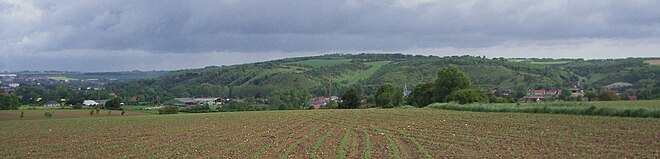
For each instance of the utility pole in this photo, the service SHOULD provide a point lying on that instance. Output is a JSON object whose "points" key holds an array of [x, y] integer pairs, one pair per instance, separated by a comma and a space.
{"points": [[330, 94]]}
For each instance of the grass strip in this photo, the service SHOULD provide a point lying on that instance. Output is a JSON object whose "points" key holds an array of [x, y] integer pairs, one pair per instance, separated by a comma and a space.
{"points": [[544, 109], [367, 144], [319, 142], [392, 146], [342, 145]]}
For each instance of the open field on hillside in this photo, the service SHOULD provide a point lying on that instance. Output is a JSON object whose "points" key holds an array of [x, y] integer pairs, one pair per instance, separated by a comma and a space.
{"points": [[550, 62], [360, 75], [58, 114], [366, 133], [323, 62], [653, 62]]}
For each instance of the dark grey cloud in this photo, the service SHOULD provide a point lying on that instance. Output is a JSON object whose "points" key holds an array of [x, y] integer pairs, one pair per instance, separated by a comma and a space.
{"points": [[200, 27]]}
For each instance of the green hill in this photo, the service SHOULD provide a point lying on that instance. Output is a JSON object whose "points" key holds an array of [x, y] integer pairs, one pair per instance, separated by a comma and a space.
{"points": [[368, 71]]}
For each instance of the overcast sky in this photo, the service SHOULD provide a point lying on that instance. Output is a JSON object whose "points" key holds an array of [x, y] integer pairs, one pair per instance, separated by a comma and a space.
{"points": [[102, 35]]}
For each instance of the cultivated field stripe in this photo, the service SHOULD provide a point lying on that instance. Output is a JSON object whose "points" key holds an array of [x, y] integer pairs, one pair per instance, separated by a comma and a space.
{"points": [[184, 137], [263, 149], [319, 142], [392, 146], [296, 143], [342, 145], [367, 144], [240, 145]]}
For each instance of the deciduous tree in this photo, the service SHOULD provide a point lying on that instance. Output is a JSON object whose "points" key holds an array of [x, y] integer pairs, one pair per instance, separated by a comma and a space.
{"points": [[449, 79], [350, 99], [9, 102]]}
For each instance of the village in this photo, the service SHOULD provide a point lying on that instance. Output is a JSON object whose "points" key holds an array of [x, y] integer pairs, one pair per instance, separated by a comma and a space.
{"points": [[325, 102]]}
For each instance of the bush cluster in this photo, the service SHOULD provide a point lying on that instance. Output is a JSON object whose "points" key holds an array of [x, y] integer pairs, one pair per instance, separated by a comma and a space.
{"points": [[48, 114], [197, 109], [168, 110]]}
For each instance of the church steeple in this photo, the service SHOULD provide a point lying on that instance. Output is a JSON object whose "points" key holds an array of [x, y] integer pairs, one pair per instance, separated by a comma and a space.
{"points": [[406, 92]]}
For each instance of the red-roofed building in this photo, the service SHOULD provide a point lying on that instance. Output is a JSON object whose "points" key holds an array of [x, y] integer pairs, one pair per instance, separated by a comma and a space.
{"points": [[539, 92]]}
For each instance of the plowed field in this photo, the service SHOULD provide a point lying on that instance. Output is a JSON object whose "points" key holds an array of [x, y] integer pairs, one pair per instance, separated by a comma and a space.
{"points": [[371, 133]]}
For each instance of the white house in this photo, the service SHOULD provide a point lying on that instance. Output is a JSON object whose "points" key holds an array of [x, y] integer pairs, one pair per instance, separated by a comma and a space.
{"points": [[14, 85], [90, 102]]}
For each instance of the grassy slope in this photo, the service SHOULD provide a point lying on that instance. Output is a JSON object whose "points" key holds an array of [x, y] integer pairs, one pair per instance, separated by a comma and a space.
{"points": [[550, 62], [312, 73], [316, 63], [414, 133], [364, 74]]}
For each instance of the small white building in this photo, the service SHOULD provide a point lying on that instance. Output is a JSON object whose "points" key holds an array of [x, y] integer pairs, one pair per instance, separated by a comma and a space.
{"points": [[14, 85], [90, 103]]}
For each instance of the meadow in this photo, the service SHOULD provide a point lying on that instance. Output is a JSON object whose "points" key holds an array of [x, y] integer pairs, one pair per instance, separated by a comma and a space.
{"points": [[640, 109], [361, 133]]}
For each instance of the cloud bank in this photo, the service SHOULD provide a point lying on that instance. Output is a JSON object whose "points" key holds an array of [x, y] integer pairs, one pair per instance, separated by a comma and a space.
{"points": [[172, 34]]}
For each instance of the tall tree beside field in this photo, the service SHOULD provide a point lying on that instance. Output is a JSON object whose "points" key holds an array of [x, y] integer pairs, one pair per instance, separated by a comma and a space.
{"points": [[450, 79], [9, 102], [399, 99], [113, 104], [385, 96], [465, 96], [350, 99], [422, 95], [294, 98]]}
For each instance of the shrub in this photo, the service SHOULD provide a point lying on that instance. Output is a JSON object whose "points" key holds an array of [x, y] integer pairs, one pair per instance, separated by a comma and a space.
{"points": [[168, 110], [608, 96], [196, 109], [77, 106], [465, 96], [91, 112], [48, 114]]}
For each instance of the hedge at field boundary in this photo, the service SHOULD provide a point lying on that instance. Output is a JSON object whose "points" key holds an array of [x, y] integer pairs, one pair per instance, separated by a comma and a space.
{"points": [[575, 110]]}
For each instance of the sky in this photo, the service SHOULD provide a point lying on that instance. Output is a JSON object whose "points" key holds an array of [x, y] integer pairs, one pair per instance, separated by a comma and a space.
{"points": [[120, 35]]}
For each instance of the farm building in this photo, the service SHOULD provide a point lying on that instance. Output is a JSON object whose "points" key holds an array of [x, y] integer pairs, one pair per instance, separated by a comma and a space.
{"points": [[193, 101], [90, 103], [51, 103], [101, 102], [94, 102], [539, 92], [617, 87]]}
